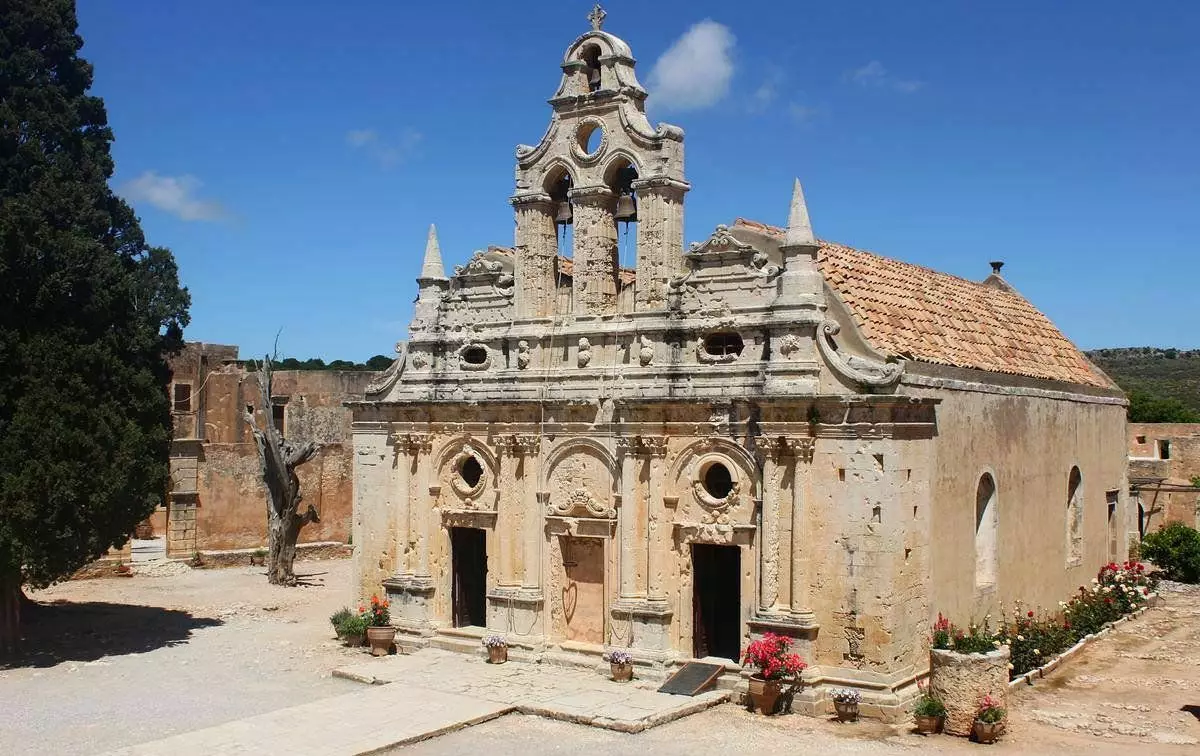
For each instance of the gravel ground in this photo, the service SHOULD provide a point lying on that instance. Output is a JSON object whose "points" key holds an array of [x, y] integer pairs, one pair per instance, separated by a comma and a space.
{"points": [[119, 661]]}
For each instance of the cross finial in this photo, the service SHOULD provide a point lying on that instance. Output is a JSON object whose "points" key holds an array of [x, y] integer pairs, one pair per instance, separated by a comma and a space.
{"points": [[597, 17]]}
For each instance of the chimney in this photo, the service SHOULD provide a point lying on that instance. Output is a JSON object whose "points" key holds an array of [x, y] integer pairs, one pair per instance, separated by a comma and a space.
{"points": [[996, 266]]}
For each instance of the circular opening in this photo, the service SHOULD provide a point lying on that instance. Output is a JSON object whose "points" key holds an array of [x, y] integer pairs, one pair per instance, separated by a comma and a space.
{"points": [[723, 344], [470, 471], [589, 136], [474, 355], [718, 481]]}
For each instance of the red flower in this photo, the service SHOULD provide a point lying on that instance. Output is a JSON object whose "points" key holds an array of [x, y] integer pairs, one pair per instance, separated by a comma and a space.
{"points": [[1030, 612]]}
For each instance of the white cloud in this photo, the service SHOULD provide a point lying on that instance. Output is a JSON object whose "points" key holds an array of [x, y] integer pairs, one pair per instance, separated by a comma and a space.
{"points": [[387, 153], [804, 113], [696, 70], [873, 74], [767, 91], [174, 195]]}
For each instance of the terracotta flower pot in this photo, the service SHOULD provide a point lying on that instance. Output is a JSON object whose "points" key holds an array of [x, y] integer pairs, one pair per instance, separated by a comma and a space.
{"points": [[497, 654], [987, 732], [764, 694], [846, 712], [381, 639], [621, 672], [928, 724]]}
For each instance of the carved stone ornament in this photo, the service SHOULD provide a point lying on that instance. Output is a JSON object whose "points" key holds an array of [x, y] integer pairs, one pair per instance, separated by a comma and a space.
{"points": [[715, 506], [580, 503], [462, 361], [389, 377], [722, 243], [469, 494], [478, 265], [420, 361], [706, 532], [588, 158], [858, 369], [789, 345], [761, 265], [523, 354], [646, 352], [713, 359], [585, 352]]}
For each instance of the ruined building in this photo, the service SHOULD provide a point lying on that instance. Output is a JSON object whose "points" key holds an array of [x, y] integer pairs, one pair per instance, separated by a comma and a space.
{"points": [[757, 432]]}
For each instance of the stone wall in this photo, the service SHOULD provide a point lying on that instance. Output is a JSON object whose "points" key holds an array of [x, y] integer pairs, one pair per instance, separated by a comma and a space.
{"points": [[1181, 444]]}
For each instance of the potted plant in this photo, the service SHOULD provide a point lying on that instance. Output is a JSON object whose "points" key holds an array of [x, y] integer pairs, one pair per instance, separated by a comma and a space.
{"points": [[380, 633], [352, 629], [845, 704], [989, 720], [774, 662], [497, 649], [337, 618], [930, 712], [258, 556], [621, 664]]}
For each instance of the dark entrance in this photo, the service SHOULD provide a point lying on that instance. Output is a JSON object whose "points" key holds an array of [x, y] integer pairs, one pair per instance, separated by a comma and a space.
{"points": [[716, 601], [468, 548]]}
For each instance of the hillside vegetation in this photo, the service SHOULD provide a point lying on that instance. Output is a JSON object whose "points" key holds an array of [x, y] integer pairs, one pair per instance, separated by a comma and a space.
{"points": [[1163, 384]]}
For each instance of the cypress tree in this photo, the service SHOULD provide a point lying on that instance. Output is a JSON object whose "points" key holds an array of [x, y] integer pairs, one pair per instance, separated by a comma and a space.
{"points": [[88, 314]]}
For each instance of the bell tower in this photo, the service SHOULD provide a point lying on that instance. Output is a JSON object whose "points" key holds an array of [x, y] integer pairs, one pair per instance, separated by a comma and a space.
{"points": [[599, 163]]}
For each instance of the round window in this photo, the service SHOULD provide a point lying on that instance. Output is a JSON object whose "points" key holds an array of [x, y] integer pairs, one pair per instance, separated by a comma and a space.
{"points": [[717, 480], [723, 344], [475, 355], [589, 136], [470, 471]]}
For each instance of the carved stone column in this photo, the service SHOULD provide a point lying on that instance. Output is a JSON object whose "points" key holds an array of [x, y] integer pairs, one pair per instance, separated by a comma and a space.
{"points": [[423, 504], [596, 261], [770, 552], [508, 517], [535, 255], [659, 239], [801, 450], [403, 503], [658, 526], [628, 520], [529, 447]]}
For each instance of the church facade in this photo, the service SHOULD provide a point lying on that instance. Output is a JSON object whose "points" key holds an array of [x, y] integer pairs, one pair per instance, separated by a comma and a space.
{"points": [[757, 432]]}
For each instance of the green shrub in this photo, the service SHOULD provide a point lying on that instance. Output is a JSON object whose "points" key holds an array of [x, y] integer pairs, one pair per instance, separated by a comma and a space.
{"points": [[929, 705], [353, 625], [1175, 549], [338, 618]]}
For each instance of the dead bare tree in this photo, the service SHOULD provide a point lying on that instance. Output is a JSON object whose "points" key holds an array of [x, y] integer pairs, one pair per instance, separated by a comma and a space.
{"points": [[279, 459]]}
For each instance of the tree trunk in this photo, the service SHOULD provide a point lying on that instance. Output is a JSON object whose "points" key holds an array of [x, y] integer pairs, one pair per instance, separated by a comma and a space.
{"points": [[279, 459], [11, 599]]}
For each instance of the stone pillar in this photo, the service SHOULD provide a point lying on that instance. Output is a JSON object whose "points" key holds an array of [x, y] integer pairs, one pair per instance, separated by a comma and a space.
{"points": [[770, 552], [801, 450], [423, 525], [596, 261], [529, 446], [961, 680], [628, 517], [535, 255], [402, 502], [659, 239], [658, 525]]}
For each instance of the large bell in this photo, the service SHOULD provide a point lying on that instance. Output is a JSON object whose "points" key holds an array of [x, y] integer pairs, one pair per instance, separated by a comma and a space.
{"points": [[626, 209], [564, 213]]}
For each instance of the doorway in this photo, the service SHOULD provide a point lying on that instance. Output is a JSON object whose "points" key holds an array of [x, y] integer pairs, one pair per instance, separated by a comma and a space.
{"points": [[716, 601], [582, 589], [468, 592]]}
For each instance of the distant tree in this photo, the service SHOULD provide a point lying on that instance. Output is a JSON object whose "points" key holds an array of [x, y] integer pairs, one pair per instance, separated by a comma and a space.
{"points": [[379, 362], [1145, 407], [88, 314], [289, 363], [344, 365], [313, 363]]}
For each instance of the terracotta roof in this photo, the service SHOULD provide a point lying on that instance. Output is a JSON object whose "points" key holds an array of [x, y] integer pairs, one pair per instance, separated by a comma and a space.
{"points": [[911, 312]]}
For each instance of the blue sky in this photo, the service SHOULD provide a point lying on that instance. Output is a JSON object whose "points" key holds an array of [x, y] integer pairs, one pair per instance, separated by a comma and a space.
{"points": [[293, 154]]}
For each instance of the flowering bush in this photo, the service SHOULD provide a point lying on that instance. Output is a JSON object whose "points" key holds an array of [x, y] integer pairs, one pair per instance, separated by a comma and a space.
{"points": [[976, 639], [1128, 584], [771, 656], [619, 657], [1175, 549], [1032, 641], [377, 615], [928, 705], [847, 696], [989, 710], [495, 641]]}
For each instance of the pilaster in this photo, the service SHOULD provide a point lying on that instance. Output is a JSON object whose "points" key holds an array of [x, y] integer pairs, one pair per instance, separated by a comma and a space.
{"points": [[535, 255], [627, 520], [659, 239], [595, 257]]}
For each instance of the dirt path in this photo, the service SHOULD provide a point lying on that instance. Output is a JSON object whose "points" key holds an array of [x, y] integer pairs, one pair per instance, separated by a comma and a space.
{"points": [[125, 660]]}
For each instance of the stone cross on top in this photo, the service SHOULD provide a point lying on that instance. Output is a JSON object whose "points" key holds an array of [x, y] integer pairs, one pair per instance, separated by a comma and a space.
{"points": [[597, 17]]}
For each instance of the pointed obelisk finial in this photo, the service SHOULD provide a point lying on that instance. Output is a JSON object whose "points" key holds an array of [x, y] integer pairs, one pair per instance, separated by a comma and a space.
{"points": [[432, 266], [799, 227]]}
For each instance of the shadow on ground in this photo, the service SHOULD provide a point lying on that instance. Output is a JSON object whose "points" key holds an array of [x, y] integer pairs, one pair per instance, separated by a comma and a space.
{"points": [[86, 631]]}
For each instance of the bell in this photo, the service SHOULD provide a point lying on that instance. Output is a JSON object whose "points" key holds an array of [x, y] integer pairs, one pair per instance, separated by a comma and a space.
{"points": [[593, 79], [563, 217], [626, 209]]}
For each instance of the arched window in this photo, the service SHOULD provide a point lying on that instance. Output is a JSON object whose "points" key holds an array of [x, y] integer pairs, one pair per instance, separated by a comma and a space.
{"points": [[591, 59], [986, 527], [557, 185], [1074, 516]]}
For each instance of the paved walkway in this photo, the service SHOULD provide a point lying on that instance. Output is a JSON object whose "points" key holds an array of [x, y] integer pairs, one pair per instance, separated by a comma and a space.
{"points": [[429, 693]]}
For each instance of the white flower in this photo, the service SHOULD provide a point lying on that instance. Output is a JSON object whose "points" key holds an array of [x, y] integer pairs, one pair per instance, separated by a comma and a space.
{"points": [[1010, 666], [1020, 637], [1039, 653], [996, 643]]}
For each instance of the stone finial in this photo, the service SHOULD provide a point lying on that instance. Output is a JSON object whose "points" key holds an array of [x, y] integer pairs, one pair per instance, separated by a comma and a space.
{"points": [[996, 266], [432, 266], [799, 228], [597, 17]]}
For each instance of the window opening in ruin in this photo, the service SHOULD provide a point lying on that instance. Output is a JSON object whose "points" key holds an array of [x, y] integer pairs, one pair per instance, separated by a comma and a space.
{"points": [[717, 480], [474, 355], [716, 601], [279, 417], [1112, 498], [589, 135], [1141, 439], [182, 397], [1164, 449], [723, 343], [1074, 516], [470, 471], [986, 527], [468, 591], [591, 58]]}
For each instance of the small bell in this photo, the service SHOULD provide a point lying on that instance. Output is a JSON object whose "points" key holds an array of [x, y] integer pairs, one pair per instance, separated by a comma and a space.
{"points": [[626, 209], [563, 217], [593, 79]]}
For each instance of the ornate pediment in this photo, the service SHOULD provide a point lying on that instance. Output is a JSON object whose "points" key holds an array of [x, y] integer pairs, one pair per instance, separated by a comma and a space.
{"points": [[580, 502], [722, 243]]}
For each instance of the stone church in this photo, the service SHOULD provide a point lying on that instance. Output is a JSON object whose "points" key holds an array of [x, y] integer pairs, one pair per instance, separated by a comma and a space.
{"points": [[760, 431]]}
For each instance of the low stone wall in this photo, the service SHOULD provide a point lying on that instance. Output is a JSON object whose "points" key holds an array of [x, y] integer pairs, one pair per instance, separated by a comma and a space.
{"points": [[960, 680]]}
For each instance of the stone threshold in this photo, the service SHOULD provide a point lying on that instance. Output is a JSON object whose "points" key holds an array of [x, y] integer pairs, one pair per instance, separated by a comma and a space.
{"points": [[1028, 678]]}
